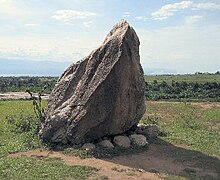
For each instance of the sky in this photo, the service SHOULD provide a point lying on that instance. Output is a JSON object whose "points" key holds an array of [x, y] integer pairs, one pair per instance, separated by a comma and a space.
{"points": [[176, 36]]}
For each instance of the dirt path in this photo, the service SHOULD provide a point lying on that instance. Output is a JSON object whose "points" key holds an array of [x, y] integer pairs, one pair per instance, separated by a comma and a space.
{"points": [[18, 95], [105, 168], [159, 158], [24, 95], [202, 105]]}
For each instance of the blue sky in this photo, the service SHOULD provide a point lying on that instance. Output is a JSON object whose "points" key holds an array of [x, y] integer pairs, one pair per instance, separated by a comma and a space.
{"points": [[181, 36]]}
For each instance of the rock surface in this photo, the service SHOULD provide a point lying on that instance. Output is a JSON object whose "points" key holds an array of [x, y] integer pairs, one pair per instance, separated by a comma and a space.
{"points": [[99, 96], [122, 141], [138, 140]]}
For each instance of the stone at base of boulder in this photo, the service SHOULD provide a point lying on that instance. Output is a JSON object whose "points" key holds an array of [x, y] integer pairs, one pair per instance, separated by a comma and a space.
{"points": [[106, 144], [152, 131], [122, 141], [105, 138], [138, 140], [88, 146]]}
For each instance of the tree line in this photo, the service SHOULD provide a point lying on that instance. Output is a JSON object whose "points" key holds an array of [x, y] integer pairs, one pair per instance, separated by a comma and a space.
{"points": [[34, 84], [183, 90], [176, 90]]}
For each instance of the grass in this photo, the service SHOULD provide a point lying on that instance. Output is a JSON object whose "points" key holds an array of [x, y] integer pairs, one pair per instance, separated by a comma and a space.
{"points": [[18, 127], [35, 168], [188, 124], [200, 78], [193, 129], [129, 172], [19, 132], [83, 154], [195, 126]]}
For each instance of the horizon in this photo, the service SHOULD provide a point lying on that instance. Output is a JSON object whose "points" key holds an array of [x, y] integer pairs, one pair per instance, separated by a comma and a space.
{"points": [[177, 37], [40, 75]]}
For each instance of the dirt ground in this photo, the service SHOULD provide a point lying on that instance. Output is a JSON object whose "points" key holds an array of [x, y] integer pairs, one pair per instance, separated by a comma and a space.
{"points": [[24, 95], [18, 95], [203, 105], [161, 158]]}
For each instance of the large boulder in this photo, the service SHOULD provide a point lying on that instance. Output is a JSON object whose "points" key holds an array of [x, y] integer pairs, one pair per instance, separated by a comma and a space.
{"points": [[101, 95]]}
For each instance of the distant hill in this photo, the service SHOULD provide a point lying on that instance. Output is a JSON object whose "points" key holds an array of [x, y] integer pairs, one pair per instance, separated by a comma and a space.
{"points": [[31, 67], [20, 67], [158, 71]]}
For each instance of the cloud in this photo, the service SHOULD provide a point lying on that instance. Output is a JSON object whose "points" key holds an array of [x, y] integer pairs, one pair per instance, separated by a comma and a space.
{"points": [[87, 23], [192, 19], [4, 1], [30, 24], [10, 7], [169, 9], [68, 15], [208, 6], [144, 18], [68, 48], [184, 48], [126, 14], [139, 17]]}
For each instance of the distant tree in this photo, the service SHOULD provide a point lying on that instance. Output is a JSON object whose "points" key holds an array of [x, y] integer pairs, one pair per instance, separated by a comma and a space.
{"points": [[197, 73]]}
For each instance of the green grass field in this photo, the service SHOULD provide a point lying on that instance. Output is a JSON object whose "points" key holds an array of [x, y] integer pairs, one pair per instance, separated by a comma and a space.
{"points": [[193, 132], [200, 78], [18, 132], [36, 168], [194, 126]]}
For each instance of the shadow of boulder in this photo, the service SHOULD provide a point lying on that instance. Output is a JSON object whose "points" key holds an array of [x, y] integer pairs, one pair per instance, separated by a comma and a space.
{"points": [[165, 158]]}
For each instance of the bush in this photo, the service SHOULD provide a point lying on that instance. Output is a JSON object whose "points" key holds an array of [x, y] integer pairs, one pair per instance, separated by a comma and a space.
{"points": [[24, 123]]}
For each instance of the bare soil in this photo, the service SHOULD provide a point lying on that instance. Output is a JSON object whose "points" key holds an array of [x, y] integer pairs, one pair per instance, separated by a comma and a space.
{"points": [[161, 158], [18, 95], [105, 168], [206, 106], [24, 95], [202, 105]]}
